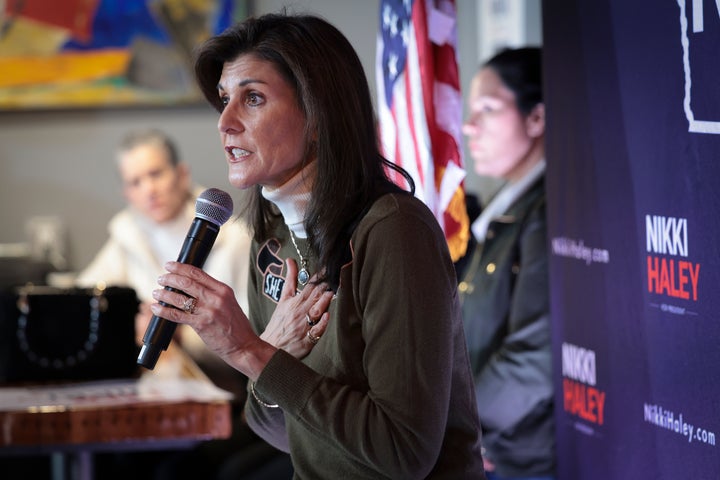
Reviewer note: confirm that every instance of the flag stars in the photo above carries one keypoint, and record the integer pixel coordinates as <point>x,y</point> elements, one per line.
<point>405,33</point>
<point>408,6</point>
<point>392,66</point>
<point>394,25</point>
<point>387,11</point>
<point>396,35</point>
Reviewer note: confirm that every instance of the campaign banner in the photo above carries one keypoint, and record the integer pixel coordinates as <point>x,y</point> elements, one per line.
<point>633,168</point>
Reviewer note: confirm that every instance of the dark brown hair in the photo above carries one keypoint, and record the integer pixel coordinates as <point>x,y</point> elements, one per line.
<point>520,69</point>
<point>332,91</point>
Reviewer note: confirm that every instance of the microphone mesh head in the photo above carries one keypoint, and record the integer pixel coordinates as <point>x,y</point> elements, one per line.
<point>214,205</point>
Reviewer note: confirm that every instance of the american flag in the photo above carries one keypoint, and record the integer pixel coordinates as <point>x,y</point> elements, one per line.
<point>420,107</point>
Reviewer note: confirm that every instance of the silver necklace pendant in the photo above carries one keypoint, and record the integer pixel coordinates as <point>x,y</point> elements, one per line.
<point>303,276</point>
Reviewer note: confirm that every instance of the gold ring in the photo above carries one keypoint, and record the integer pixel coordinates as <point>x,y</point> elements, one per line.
<point>189,305</point>
<point>313,339</point>
<point>310,321</point>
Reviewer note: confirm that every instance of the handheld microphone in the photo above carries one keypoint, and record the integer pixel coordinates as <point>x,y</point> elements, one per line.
<point>212,208</point>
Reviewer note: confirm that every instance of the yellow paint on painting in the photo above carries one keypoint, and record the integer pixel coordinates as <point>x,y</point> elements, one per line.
<point>24,37</point>
<point>107,93</point>
<point>64,67</point>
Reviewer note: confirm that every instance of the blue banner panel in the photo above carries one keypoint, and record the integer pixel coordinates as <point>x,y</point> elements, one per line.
<point>633,180</point>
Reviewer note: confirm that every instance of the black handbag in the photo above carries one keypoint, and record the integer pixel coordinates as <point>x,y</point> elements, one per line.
<point>58,334</point>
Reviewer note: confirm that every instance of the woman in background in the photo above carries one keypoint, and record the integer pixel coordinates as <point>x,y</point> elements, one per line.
<point>505,299</point>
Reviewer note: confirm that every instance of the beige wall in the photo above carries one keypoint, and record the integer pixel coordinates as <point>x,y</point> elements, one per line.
<point>61,163</point>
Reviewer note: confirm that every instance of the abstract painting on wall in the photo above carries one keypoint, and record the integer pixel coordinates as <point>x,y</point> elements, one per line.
<point>60,54</point>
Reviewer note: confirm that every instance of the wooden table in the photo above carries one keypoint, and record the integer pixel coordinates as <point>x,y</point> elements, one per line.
<point>173,406</point>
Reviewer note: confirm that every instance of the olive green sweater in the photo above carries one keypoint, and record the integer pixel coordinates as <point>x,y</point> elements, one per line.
<point>387,391</point>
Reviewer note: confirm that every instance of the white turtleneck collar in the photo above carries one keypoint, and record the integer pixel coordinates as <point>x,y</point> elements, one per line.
<point>293,197</point>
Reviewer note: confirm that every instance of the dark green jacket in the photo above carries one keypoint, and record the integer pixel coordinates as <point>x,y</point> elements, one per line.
<point>506,313</point>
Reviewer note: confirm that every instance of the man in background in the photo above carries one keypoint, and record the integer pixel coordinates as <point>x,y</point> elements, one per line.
<point>142,237</point>
<point>151,230</point>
